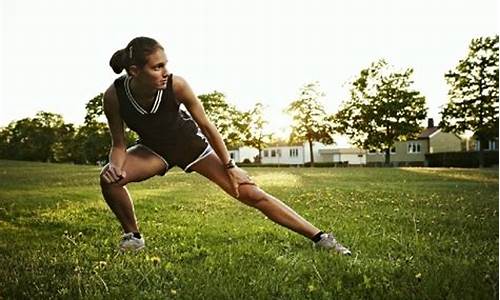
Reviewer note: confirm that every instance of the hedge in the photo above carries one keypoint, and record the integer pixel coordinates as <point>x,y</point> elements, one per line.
<point>461,159</point>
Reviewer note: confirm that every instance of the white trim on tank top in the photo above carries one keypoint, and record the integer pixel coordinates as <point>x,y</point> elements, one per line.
<point>136,105</point>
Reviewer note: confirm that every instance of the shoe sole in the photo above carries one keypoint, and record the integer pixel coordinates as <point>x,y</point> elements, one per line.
<point>133,250</point>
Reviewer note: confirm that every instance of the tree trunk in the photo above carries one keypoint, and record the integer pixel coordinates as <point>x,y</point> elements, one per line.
<point>387,157</point>
<point>312,154</point>
<point>259,157</point>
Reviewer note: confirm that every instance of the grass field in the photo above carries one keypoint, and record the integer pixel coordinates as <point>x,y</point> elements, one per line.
<point>415,234</point>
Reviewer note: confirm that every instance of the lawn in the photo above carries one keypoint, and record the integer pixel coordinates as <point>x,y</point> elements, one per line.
<point>415,233</point>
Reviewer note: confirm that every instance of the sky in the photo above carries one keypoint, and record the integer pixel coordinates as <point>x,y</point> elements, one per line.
<point>54,54</point>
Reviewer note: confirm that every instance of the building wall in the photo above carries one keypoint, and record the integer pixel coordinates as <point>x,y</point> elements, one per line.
<point>351,158</point>
<point>402,154</point>
<point>243,153</point>
<point>444,142</point>
<point>234,154</point>
<point>283,155</point>
<point>286,157</point>
<point>491,145</point>
<point>323,157</point>
<point>318,157</point>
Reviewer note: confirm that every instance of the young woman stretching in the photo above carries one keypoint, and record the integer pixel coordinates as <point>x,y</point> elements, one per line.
<point>147,100</point>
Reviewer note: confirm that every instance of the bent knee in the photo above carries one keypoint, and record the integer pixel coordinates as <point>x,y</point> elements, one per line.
<point>104,182</point>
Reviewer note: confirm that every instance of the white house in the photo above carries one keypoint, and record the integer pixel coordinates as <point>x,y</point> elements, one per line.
<point>352,156</point>
<point>243,153</point>
<point>292,154</point>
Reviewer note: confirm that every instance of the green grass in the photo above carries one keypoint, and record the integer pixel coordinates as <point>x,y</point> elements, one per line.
<point>415,234</point>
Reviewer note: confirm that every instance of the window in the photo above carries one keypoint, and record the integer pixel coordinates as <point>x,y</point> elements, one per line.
<point>266,153</point>
<point>278,151</point>
<point>294,152</point>
<point>231,154</point>
<point>492,145</point>
<point>414,147</point>
<point>393,150</point>
<point>273,153</point>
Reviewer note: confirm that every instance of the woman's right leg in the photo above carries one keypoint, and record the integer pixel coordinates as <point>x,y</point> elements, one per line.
<point>140,164</point>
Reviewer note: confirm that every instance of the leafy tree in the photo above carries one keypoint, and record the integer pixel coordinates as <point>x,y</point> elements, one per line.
<point>32,139</point>
<point>4,143</point>
<point>63,149</point>
<point>254,131</point>
<point>41,138</point>
<point>473,94</point>
<point>382,108</point>
<point>92,141</point>
<point>94,109</point>
<point>310,121</point>
<point>230,122</point>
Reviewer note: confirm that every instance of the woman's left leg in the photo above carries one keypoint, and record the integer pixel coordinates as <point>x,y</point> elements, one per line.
<point>212,168</point>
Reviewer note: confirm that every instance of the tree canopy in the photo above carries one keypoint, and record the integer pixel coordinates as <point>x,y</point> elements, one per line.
<point>473,94</point>
<point>310,121</point>
<point>382,108</point>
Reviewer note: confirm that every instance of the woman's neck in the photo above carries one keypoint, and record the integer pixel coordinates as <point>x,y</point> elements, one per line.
<point>141,93</point>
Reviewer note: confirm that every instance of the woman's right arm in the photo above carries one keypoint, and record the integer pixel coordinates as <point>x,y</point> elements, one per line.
<point>117,154</point>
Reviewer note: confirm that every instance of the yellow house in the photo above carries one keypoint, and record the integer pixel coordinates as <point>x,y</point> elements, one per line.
<point>412,152</point>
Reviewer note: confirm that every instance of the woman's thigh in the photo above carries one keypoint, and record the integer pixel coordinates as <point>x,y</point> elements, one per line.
<point>212,168</point>
<point>141,164</point>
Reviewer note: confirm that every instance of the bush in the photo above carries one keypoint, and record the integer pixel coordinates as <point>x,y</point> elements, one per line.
<point>461,159</point>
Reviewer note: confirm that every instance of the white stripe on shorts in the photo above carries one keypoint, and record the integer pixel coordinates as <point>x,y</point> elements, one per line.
<point>205,153</point>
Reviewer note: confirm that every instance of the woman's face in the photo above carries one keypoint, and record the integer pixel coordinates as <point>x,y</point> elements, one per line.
<point>154,74</point>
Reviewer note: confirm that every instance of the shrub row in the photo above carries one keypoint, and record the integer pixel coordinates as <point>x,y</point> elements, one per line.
<point>461,159</point>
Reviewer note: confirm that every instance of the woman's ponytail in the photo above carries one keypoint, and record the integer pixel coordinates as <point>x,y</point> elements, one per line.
<point>118,61</point>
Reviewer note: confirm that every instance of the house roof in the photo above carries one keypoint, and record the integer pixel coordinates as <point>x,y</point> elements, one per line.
<point>427,132</point>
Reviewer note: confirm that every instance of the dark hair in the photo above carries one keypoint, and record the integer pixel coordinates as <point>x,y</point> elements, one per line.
<point>136,53</point>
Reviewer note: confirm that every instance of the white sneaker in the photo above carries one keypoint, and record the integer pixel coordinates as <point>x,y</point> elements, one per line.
<point>328,241</point>
<point>129,242</point>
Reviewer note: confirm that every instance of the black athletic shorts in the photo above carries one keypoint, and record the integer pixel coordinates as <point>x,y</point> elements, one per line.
<point>184,153</point>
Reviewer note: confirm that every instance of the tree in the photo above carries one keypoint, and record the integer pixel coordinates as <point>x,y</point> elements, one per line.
<point>63,149</point>
<point>32,139</point>
<point>310,121</point>
<point>94,109</point>
<point>254,133</point>
<point>92,141</point>
<point>473,94</point>
<point>4,143</point>
<point>382,109</point>
<point>227,119</point>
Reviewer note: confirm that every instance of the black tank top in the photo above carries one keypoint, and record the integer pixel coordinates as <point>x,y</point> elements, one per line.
<point>164,125</point>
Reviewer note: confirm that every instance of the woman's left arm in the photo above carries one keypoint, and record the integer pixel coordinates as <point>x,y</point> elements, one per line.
<point>184,94</point>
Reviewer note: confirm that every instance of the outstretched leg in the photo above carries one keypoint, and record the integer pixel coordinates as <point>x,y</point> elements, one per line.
<point>212,168</point>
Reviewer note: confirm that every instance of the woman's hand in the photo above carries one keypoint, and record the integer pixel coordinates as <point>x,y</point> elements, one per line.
<point>114,174</point>
<point>238,176</point>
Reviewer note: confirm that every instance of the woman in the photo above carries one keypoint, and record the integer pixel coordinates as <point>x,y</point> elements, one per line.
<point>147,100</point>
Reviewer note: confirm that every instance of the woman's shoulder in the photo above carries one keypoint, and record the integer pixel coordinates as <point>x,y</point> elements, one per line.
<point>178,82</point>
<point>110,93</point>
<point>110,97</point>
